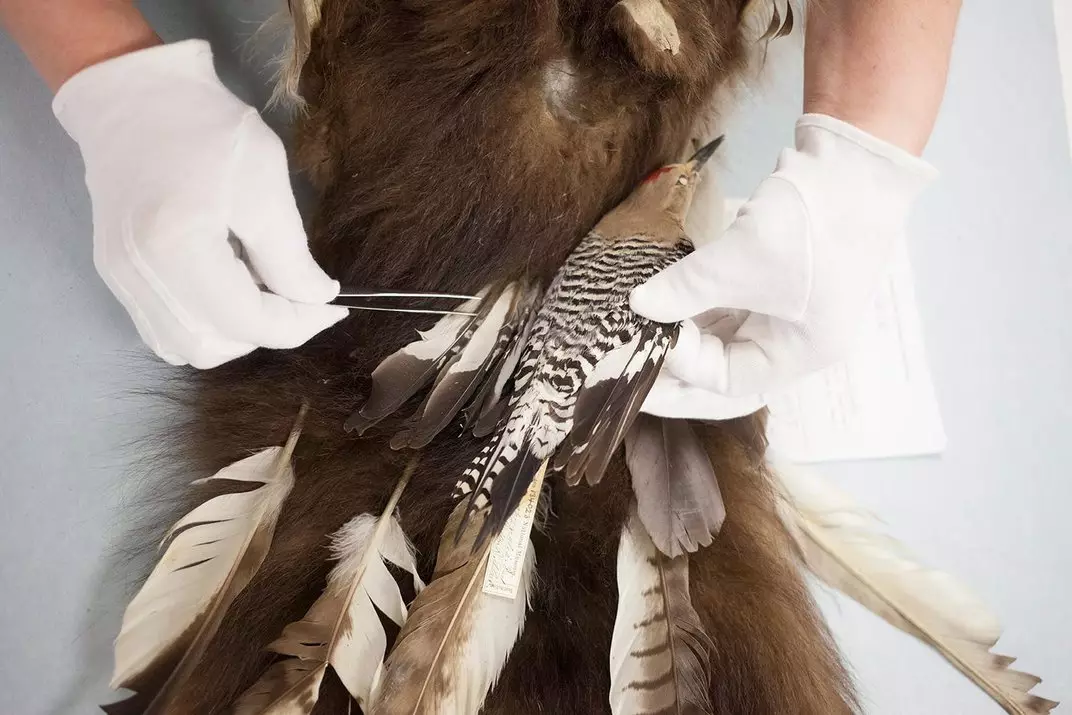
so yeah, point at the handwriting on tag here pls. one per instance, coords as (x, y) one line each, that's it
(507, 557)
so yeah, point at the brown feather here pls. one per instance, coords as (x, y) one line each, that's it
(447, 656)
(235, 526)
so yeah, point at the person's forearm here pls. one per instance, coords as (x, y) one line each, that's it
(880, 65)
(62, 37)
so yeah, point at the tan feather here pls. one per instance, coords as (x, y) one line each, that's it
(342, 628)
(457, 638)
(213, 553)
(305, 17)
(779, 23)
(845, 547)
(660, 656)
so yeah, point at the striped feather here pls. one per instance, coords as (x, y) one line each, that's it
(660, 656)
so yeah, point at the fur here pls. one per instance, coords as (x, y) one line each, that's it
(455, 142)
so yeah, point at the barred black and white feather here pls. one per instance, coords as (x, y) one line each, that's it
(588, 363)
(564, 376)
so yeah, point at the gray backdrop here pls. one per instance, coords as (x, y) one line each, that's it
(993, 257)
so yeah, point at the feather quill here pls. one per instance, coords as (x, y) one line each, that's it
(678, 499)
(457, 638)
(342, 628)
(213, 553)
(660, 656)
(845, 547)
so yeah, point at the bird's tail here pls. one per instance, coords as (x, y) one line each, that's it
(499, 476)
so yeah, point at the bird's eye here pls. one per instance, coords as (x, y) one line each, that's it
(682, 180)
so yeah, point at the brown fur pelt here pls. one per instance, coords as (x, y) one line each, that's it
(454, 142)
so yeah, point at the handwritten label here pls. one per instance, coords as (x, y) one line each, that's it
(507, 558)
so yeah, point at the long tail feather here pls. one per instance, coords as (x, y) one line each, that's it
(213, 553)
(342, 628)
(457, 638)
(678, 499)
(660, 656)
(845, 547)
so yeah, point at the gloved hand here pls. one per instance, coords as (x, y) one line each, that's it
(782, 293)
(173, 162)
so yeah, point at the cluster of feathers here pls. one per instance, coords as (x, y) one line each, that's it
(342, 560)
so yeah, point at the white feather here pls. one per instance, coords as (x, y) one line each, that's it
(457, 638)
(659, 653)
(358, 655)
(342, 628)
(485, 336)
(202, 560)
(845, 546)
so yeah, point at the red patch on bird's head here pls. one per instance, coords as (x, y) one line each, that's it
(655, 174)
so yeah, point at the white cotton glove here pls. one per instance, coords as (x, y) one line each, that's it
(173, 162)
(782, 293)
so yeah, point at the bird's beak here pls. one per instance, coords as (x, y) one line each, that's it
(697, 160)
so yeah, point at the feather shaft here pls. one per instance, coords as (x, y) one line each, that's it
(845, 547)
(342, 628)
(214, 552)
(457, 638)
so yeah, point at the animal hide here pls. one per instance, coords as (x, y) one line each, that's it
(456, 144)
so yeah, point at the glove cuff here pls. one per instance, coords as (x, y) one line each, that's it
(99, 91)
(836, 142)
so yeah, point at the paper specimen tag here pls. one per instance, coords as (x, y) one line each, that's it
(507, 556)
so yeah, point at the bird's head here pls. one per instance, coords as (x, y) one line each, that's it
(662, 199)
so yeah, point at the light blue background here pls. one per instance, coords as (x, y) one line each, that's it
(991, 244)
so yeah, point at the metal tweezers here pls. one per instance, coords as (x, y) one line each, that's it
(355, 299)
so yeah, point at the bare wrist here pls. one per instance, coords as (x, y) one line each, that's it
(64, 37)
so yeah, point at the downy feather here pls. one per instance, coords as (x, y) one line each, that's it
(213, 553)
(660, 656)
(342, 628)
(678, 499)
(457, 638)
(845, 546)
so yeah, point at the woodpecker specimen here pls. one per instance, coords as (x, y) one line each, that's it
(578, 366)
